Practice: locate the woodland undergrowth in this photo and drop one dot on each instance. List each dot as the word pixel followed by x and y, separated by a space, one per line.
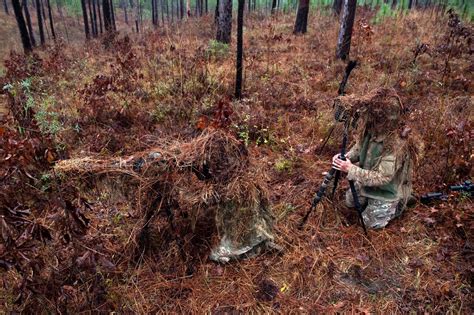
pixel 62 246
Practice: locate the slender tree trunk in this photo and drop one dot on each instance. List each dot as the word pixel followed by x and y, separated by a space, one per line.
pixel 240 49
pixel 61 15
pixel 153 16
pixel 51 24
pixel 85 18
pixel 216 13
pixel 167 11
pixel 224 25
pixel 91 17
pixel 162 12
pixel 5 7
pixel 107 16
pixel 40 22
pixel 301 23
pixel 206 4
pixel 137 16
pixel 28 23
pixel 20 20
pixel 94 10
pixel 99 11
pixel 44 19
pixel 125 13
pixel 112 12
pixel 181 9
pixel 274 5
pixel 345 31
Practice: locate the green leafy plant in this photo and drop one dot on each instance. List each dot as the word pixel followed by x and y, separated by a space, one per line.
pixel 217 49
pixel 283 165
pixel 46 118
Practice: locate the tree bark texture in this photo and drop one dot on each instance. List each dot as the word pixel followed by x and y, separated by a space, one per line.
pixel 224 24
pixel 240 49
pixel 112 14
pixel 5 7
pixel 345 31
pixel 51 24
pixel 99 12
pixel 94 10
pixel 85 18
pixel 28 23
pixel 107 16
pixel 40 22
pixel 20 20
pixel 301 23
pixel 91 17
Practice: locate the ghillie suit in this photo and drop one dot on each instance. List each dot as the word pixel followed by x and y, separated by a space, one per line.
pixel 211 174
pixel 233 188
pixel 385 156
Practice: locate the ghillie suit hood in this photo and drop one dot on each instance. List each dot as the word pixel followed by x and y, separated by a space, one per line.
pixel 381 112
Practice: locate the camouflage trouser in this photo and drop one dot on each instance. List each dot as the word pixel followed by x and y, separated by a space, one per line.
pixel 377 213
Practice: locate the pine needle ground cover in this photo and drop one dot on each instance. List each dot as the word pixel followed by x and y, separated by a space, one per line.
pixel 69 243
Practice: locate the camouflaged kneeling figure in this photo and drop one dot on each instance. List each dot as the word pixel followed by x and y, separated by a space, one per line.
pixel 384 158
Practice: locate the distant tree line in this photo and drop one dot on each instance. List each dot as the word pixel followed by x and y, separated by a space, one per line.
pixel 99 17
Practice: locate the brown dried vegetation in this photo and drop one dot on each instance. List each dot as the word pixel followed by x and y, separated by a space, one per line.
pixel 136 239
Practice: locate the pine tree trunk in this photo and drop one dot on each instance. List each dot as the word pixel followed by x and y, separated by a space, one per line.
pixel 274 5
pixel 20 20
pixel 153 16
pixel 206 6
pixel 96 25
pixel 112 12
pixel 99 11
pixel 91 17
pixel 44 19
pixel 28 23
pixel 301 23
pixel 51 24
pixel 181 8
pixel 345 31
pixel 40 22
pixel 86 20
pixel 224 24
pixel 162 13
pixel 137 17
pixel 240 49
pixel 216 13
pixel 5 7
pixel 107 16
pixel 125 14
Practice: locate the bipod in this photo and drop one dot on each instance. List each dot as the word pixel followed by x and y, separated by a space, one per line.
pixel 333 173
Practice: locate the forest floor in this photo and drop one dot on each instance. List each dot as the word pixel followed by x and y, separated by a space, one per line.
pixel 64 250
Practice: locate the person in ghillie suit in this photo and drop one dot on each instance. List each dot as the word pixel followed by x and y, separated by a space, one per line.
pixel 234 188
pixel 384 154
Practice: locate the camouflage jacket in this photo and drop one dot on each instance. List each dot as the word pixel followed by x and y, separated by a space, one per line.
pixel 382 175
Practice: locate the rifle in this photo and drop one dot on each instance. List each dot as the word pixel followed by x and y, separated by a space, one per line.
pixel 340 115
pixel 465 187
